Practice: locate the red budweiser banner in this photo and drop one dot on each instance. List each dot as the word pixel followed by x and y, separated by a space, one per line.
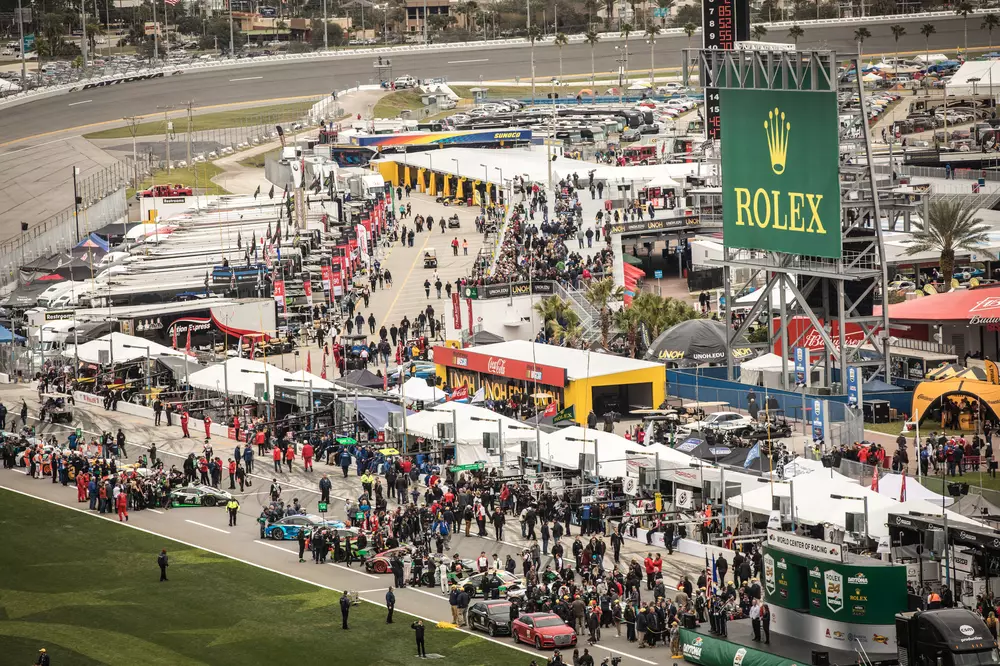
pixel 500 367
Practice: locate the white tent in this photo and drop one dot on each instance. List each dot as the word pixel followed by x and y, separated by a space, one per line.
pixel 889 485
pixel 415 388
pixel 470 422
pixel 239 376
pixel 302 379
pixel 975 75
pixel 749 299
pixel 563 447
pixel 766 368
pixel 122 348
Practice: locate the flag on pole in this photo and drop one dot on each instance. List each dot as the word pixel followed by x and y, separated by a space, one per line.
pixel 322 372
pixel 309 362
pixel 875 478
pixel 461 393
pixel 550 410
pixel 172 3
pixel 385 382
pixel 256 192
pixel 902 488
pixel 270 195
pixel 187 345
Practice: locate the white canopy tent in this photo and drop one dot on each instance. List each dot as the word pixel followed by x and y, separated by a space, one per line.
pixel 763 371
pixel 979 76
pixel 470 422
pixel 122 348
pixel 240 376
pixel 303 379
pixel 563 448
pixel 415 388
pixel 889 486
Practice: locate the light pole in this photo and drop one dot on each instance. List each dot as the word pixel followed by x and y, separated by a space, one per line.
pixel 267 390
pixel 486 184
pixel 326 29
pixel 584 440
pixel 232 45
pixel 652 65
pixel 20 29
pixel 76 202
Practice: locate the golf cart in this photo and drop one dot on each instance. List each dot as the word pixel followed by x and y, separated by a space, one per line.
pixel 430 258
pixel 453 222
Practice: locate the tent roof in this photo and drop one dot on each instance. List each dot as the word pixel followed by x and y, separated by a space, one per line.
pixel 240 375
pixel 363 378
pixel 563 448
pixel 6 335
pixel 768 361
pixel 416 388
pixel 952 306
pixel 576 362
pixel 927 392
pixel 123 348
pixel 302 379
pixel 877 386
pixel 484 338
pixel 375 412
pixel 889 485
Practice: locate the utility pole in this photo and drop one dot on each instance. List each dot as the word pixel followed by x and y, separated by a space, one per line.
pixel 156 34
pixel 132 122
pixel 232 43
pixel 167 126
pixel 76 204
pixel 425 41
pixel 326 29
pixel 20 29
pixel 83 37
pixel 189 105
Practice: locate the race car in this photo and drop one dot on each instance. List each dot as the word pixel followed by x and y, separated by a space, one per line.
pixel 719 421
pixel 432 578
pixel 543 630
pixel 492 616
pixel 509 585
pixel 198 495
pixel 379 562
pixel 343 533
pixel 290 526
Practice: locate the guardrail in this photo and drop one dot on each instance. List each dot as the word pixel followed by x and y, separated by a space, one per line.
pixel 198 64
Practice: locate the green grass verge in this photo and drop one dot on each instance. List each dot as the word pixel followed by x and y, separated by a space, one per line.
pixel 973 478
pixel 390 105
pixel 186 176
pixel 256 161
pixel 207 121
pixel 87 590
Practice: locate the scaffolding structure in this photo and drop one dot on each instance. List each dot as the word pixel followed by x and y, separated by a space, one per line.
pixel 839 295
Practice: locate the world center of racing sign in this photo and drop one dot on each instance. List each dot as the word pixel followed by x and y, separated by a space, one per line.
pixel 780 172
pixel 814 548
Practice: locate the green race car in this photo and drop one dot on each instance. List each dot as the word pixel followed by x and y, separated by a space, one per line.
pixel 198 495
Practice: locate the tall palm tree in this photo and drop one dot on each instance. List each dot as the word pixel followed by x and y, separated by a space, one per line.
pixel 950 226
pixel 534 32
pixel 964 9
pixel 592 37
pixel 927 29
pixel 990 21
pixel 600 294
pixel 652 30
pixel 658 314
pixel 758 31
pixel 626 29
pixel 627 321
pixel 590 6
pixel 796 32
pixel 689 30
pixel 860 35
pixel 556 314
pixel 897 32
pixel 561 40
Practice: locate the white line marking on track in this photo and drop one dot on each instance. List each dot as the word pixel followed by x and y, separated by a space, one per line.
pixel 86 101
pixel 362 573
pixel 155 511
pixel 247 78
pixel 505 644
pixel 21 471
pixel 462 62
pixel 207 527
pixel 378 589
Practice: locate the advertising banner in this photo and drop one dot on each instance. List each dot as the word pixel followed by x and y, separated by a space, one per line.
pixel 854 379
pixel 818 420
pixel 456 310
pixel 800 545
pixel 327 281
pixel 801 355
pixel 308 290
pixel 701 649
pixel 780 174
pixel 279 294
pixel 465 359
pixel 992 371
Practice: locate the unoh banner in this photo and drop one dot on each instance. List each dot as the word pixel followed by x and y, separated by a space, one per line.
pixel 444 138
pixel 780 177
pixel 700 649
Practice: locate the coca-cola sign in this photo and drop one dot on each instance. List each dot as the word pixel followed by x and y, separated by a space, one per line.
pixel 499 366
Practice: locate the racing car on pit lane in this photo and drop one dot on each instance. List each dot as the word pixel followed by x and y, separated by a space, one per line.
pixel 198 495
pixel 290 526
pixel 510 586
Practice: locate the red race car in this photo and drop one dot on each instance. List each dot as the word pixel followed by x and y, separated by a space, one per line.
pixel 543 630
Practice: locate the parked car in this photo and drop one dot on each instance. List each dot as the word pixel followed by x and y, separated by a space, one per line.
pixel 491 616
pixel 968 272
pixel 290 526
pixel 543 630
pixel 630 136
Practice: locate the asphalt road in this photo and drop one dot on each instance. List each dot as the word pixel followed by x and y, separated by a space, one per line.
pixel 311 77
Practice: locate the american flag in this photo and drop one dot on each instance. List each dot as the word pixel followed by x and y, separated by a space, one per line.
pixel 172 3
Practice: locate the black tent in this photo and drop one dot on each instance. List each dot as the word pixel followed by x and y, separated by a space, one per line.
pixel 703 445
pixel 696 341
pixel 484 338
pixel 26 295
pixel 362 378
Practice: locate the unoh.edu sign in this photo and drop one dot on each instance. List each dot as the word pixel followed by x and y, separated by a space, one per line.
pixel 780 172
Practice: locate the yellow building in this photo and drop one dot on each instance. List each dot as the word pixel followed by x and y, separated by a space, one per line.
pixel 570 377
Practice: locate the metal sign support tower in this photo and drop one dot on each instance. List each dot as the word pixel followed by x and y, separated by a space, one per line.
pixel 821 289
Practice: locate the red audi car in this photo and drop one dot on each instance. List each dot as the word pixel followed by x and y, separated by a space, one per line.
pixel 543 630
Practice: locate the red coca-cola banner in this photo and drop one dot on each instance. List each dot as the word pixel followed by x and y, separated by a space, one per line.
pixel 500 367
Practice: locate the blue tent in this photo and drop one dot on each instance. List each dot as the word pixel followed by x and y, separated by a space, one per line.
pixel 376 412
pixel 93 241
pixel 6 335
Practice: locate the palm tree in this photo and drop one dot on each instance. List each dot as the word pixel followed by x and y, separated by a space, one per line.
pixel 652 30
pixel 758 31
pixel 556 315
pixel 468 10
pixel 860 35
pixel 927 29
pixel 590 6
pixel 796 32
pixel 561 40
pixel 600 294
pixel 534 32
pixel 658 314
pixel 950 226
pixel 689 30
pixel 964 9
pixel 897 32
pixel 592 37
pixel 626 29
pixel 990 21
pixel 93 31
pixel 627 321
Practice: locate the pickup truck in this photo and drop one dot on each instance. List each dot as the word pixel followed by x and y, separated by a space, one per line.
pixel 166 191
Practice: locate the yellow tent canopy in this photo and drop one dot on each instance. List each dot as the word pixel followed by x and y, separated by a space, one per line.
pixel 954 370
pixel 927 393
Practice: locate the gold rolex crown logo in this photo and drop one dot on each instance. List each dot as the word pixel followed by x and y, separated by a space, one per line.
pixel 777 131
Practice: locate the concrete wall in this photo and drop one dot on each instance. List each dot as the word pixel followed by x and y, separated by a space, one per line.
pixel 492 314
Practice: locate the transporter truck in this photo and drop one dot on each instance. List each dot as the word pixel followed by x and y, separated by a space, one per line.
pixel 944 637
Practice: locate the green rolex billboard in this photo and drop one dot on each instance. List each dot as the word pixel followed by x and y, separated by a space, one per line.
pixel 780 180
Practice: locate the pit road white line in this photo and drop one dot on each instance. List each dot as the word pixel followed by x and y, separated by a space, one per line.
pixel 86 101
pixel 463 62
pixel 247 78
pixel 207 527
pixel 294 552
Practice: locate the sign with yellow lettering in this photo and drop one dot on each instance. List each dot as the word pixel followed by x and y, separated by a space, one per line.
pixel 780 174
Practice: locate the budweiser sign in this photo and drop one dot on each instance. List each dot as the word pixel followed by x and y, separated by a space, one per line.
pixel 496 366
pixel 801 329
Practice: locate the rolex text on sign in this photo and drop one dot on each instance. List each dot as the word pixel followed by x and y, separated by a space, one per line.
pixel 780 179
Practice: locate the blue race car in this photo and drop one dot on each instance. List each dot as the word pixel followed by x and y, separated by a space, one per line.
pixel 290 526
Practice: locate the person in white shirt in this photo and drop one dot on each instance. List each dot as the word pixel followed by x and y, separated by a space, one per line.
pixel 482 562
pixel 443 573
pixel 755 619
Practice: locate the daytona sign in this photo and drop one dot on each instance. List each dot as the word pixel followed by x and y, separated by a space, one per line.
pixel 500 367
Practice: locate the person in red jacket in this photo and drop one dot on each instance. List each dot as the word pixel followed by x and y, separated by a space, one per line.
pixel 650 570
pixel 307 456
pixel 232 474
pixel 122 506
pixel 208 427
pixel 184 423
pixel 81 487
pixel 276 455
pixel 289 456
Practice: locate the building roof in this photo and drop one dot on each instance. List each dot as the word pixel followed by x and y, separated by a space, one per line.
pixel 576 362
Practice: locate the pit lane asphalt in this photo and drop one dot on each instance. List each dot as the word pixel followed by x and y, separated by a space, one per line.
pixel 40 119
